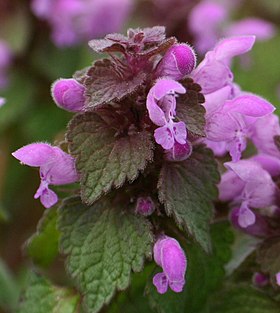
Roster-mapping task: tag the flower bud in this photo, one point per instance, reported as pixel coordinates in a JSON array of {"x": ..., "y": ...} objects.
[
  {"x": 277, "y": 276},
  {"x": 179, "y": 152},
  {"x": 170, "y": 256},
  {"x": 145, "y": 206},
  {"x": 260, "y": 279},
  {"x": 68, "y": 94},
  {"x": 179, "y": 61}
]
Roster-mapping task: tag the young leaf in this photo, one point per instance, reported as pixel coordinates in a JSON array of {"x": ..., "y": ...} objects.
[
  {"x": 104, "y": 160},
  {"x": 104, "y": 244},
  {"x": 187, "y": 190},
  {"x": 243, "y": 299},
  {"x": 269, "y": 256},
  {"x": 204, "y": 275},
  {"x": 42, "y": 247},
  {"x": 104, "y": 83},
  {"x": 189, "y": 108},
  {"x": 42, "y": 297}
]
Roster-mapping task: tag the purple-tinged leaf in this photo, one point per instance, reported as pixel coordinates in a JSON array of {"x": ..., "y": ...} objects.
[
  {"x": 189, "y": 108},
  {"x": 105, "y": 83}
]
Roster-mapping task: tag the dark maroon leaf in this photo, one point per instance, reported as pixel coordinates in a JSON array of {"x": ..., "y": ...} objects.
[{"x": 106, "y": 83}]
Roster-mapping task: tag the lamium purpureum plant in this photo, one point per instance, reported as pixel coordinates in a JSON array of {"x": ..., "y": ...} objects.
[{"x": 149, "y": 139}]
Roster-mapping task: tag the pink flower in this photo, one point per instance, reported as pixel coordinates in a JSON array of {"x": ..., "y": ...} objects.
[
  {"x": 232, "y": 122},
  {"x": 247, "y": 185},
  {"x": 209, "y": 21},
  {"x": 56, "y": 168},
  {"x": 169, "y": 255},
  {"x": 73, "y": 21},
  {"x": 161, "y": 105}
]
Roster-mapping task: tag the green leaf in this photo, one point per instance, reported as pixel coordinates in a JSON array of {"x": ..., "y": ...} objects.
[
  {"x": 134, "y": 300},
  {"x": 8, "y": 288},
  {"x": 41, "y": 296},
  {"x": 105, "y": 84},
  {"x": 104, "y": 160},
  {"x": 269, "y": 256},
  {"x": 189, "y": 108},
  {"x": 187, "y": 190},
  {"x": 243, "y": 299},
  {"x": 204, "y": 275},
  {"x": 104, "y": 243},
  {"x": 42, "y": 247}
]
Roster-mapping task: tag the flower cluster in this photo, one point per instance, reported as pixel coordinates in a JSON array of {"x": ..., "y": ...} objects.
[
  {"x": 73, "y": 21},
  {"x": 141, "y": 92}
]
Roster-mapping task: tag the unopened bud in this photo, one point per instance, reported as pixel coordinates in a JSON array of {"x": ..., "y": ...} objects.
[
  {"x": 145, "y": 206},
  {"x": 68, "y": 94},
  {"x": 260, "y": 279},
  {"x": 179, "y": 61}
]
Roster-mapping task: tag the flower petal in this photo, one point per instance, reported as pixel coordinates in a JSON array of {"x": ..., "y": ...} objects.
[
  {"x": 35, "y": 154},
  {"x": 160, "y": 282},
  {"x": 233, "y": 46},
  {"x": 164, "y": 137},
  {"x": 48, "y": 198}
]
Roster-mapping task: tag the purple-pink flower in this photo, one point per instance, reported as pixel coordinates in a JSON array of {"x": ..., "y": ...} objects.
[
  {"x": 169, "y": 255},
  {"x": 161, "y": 105},
  {"x": 231, "y": 122},
  {"x": 73, "y": 21},
  {"x": 214, "y": 73},
  {"x": 247, "y": 185},
  {"x": 263, "y": 132},
  {"x": 210, "y": 20},
  {"x": 178, "y": 61},
  {"x": 56, "y": 168},
  {"x": 68, "y": 94}
]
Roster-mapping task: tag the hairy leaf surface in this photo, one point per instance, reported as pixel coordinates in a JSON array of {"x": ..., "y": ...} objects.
[
  {"x": 42, "y": 297},
  {"x": 105, "y": 84},
  {"x": 190, "y": 110},
  {"x": 104, "y": 244},
  {"x": 187, "y": 190},
  {"x": 104, "y": 160}
]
